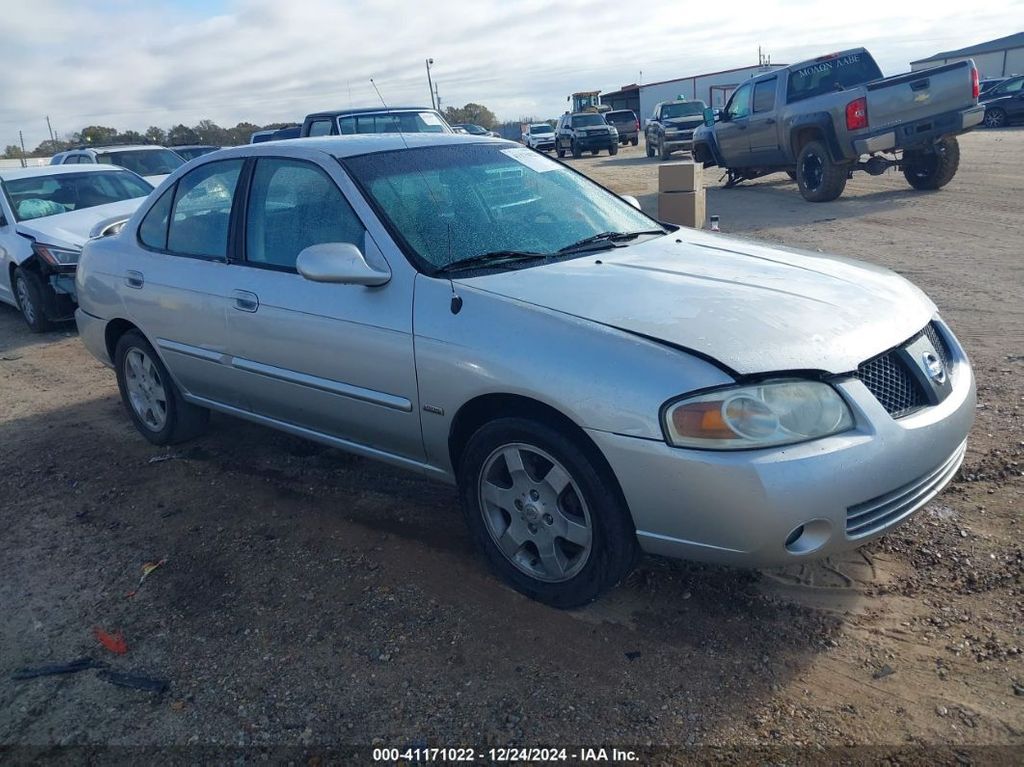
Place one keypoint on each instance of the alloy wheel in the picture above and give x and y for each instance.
(813, 171)
(535, 513)
(25, 301)
(146, 390)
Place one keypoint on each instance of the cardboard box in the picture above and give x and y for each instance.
(680, 177)
(685, 208)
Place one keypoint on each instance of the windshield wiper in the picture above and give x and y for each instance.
(607, 239)
(493, 258)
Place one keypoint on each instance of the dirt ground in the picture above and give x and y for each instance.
(313, 598)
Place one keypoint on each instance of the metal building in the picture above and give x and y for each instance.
(996, 58)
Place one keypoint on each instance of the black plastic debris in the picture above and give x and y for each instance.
(134, 681)
(52, 669)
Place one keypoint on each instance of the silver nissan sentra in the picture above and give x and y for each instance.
(595, 383)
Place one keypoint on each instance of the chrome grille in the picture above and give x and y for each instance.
(891, 384)
(886, 510)
(940, 346)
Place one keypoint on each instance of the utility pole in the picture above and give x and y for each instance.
(430, 84)
(22, 138)
(49, 128)
(437, 99)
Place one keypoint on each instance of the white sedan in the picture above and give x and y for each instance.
(46, 215)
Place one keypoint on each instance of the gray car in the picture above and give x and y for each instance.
(595, 383)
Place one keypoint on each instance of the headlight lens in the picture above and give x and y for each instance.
(760, 415)
(56, 256)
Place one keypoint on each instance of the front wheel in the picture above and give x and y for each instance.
(649, 146)
(560, 152)
(577, 153)
(150, 395)
(819, 179)
(663, 151)
(935, 168)
(546, 512)
(995, 118)
(613, 149)
(30, 292)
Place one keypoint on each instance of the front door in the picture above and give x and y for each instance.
(731, 130)
(335, 359)
(762, 129)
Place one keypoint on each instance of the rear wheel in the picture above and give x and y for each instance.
(635, 140)
(613, 149)
(150, 395)
(933, 169)
(819, 179)
(546, 514)
(995, 118)
(30, 291)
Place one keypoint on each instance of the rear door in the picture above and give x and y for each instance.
(731, 130)
(335, 359)
(763, 129)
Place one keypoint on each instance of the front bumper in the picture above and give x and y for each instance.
(679, 139)
(598, 141)
(740, 508)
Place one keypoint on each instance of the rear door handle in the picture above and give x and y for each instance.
(245, 301)
(919, 85)
(134, 279)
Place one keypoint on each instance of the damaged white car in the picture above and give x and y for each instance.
(46, 215)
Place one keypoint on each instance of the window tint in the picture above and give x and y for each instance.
(202, 207)
(292, 205)
(320, 128)
(764, 95)
(830, 74)
(71, 160)
(1013, 86)
(153, 229)
(739, 104)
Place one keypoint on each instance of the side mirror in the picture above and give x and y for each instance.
(709, 116)
(632, 200)
(339, 262)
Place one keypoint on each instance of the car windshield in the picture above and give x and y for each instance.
(192, 152)
(145, 162)
(582, 121)
(684, 109)
(541, 129)
(392, 122)
(453, 203)
(41, 196)
(831, 74)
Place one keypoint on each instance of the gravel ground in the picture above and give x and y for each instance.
(312, 598)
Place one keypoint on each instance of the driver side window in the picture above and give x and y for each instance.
(739, 104)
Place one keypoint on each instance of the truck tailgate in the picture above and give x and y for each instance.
(918, 95)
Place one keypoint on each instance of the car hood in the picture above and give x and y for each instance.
(72, 229)
(754, 309)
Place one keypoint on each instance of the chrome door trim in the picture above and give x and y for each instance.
(328, 385)
(190, 351)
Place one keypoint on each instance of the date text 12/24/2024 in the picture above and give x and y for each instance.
(504, 754)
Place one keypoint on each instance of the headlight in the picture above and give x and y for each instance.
(759, 415)
(56, 256)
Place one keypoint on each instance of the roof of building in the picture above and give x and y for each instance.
(1002, 43)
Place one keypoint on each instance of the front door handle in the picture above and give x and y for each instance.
(245, 301)
(134, 279)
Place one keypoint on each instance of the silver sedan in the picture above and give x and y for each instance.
(595, 383)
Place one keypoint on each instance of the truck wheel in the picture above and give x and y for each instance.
(546, 512)
(934, 169)
(560, 152)
(613, 149)
(577, 153)
(663, 152)
(819, 179)
(30, 291)
(649, 146)
(635, 140)
(995, 118)
(150, 395)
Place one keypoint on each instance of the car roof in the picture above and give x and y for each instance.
(117, 148)
(8, 174)
(365, 110)
(359, 144)
(194, 146)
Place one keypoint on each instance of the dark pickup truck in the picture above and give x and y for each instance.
(823, 119)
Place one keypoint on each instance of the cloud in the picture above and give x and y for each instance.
(132, 65)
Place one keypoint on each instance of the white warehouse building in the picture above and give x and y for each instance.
(996, 58)
(713, 89)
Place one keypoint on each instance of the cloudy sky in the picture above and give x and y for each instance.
(136, 63)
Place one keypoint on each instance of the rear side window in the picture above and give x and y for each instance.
(764, 95)
(320, 128)
(202, 209)
(292, 205)
(153, 229)
(827, 75)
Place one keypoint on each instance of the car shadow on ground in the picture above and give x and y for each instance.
(16, 338)
(365, 576)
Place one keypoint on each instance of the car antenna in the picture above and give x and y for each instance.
(456, 305)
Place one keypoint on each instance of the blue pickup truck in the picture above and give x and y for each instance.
(821, 120)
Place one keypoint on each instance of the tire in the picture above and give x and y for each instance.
(148, 392)
(30, 293)
(994, 118)
(560, 152)
(577, 153)
(594, 152)
(932, 170)
(613, 149)
(663, 152)
(589, 508)
(634, 141)
(819, 179)
(649, 146)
